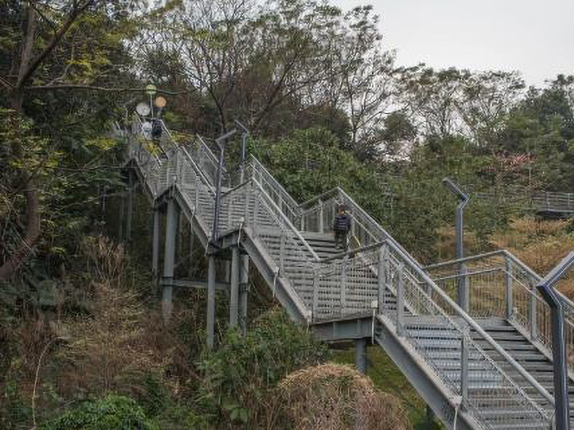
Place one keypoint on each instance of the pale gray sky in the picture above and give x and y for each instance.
(535, 37)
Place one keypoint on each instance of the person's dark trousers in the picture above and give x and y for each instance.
(341, 238)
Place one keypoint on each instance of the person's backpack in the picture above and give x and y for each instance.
(156, 130)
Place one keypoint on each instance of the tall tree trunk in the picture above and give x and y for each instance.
(26, 185)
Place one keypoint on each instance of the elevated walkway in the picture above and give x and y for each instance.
(485, 367)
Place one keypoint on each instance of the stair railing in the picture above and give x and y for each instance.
(398, 274)
(274, 189)
(207, 161)
(364, 228)
(354, 285)
(501, 285)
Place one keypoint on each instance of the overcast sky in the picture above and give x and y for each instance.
(535, 37)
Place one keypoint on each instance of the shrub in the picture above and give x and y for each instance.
(338, 397)
(241, 373)
(109, 413)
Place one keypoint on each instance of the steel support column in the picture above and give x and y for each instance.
(210, 330)
(130, 206)
(243, 291)
(234, 288)
(155, 250)
(361, 355)
(169, 259)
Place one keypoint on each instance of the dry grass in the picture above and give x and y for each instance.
(338, 397)
(111, 348)
(446, 243)
(540, 244)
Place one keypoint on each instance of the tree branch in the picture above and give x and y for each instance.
(6, 83)
(36, 62)
(96, 88)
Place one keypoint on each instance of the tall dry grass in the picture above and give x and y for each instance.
(541, 244)
(110, 349)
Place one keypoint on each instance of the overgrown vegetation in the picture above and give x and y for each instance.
(80, 336)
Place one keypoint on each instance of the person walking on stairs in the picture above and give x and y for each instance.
(341, 227)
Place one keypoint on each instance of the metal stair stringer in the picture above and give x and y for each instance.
(423, 378)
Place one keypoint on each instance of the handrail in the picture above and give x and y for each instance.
(288, 222)
(198, 170)
(353, 252)
(319, 197)
(377, 226)
(209, 152)
(237, 187)
(463, 260)
(474, 325)
(289, 200)
(508, 254)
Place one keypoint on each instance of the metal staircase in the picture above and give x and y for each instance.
(487, 367)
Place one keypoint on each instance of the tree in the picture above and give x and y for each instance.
(43, 52)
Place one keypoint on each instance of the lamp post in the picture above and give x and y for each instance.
(559, 354)
(459, 228)
(244, 135)
(220, 141)
(150, 90)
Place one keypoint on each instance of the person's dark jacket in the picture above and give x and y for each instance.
(342, 222)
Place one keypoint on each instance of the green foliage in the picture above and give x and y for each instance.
(109, 413)
(310, 162)
(239, 375)
(14, 408)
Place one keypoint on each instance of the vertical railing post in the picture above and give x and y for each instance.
(282, 254)
(400, 300)
(249, 194)
(533, 313)
(230, 205)
(464, 364)
(255, 214)
(321, 225)
(382, 278)
(316, 280)
(508, 267)
(343, 285)
(178, 164)
(196, 192)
